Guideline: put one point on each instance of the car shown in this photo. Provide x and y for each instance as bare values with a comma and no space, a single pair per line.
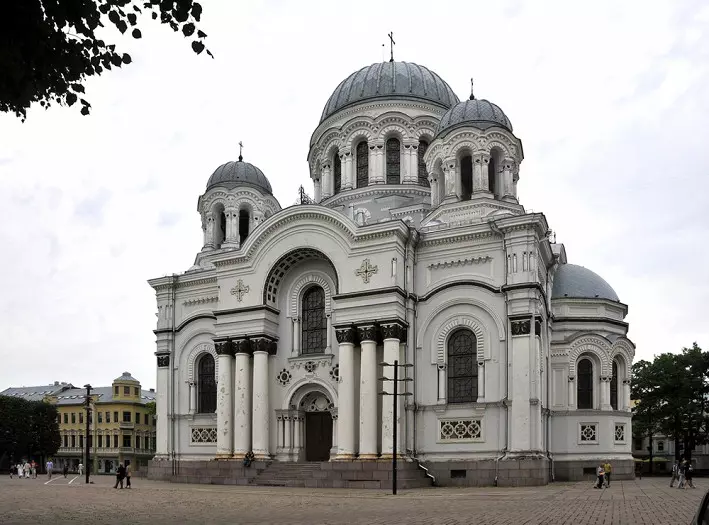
702,516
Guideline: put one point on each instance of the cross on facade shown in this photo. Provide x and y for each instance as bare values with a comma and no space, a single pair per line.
240,290
366,270
241,147
391,44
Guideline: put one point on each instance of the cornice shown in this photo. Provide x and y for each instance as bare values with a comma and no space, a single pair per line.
460,262
183,281
201,300
386,190
447,238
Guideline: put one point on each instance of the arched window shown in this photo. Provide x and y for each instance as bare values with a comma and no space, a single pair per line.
584,388
462,367
423,174
393,161
466,177
337,173
243,225
491,169
206,385
614,386
314,323
362,165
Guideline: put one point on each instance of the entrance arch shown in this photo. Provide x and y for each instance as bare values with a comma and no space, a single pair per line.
308,427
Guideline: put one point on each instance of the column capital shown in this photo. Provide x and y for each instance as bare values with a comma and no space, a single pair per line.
346,335
224,347
367,333
163,360
265,344
394,330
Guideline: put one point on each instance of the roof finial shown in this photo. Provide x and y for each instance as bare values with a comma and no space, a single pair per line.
391,37
472,96
241,147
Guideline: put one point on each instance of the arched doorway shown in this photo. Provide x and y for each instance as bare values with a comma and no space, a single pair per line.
307,430
318,426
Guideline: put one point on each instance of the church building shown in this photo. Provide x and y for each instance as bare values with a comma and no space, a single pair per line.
280,340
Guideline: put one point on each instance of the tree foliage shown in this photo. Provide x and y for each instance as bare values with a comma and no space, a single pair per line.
48,48
671,394
28,429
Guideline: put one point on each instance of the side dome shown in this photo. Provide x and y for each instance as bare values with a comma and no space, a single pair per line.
480,114
239,173
572,280
404,80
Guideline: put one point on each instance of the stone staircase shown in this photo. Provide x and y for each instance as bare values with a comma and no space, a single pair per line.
342,474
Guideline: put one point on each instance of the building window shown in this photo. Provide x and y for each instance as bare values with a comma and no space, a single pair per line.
66,441
73,441
81,417
108,417
126,440
115,416
619,433
393,161
660,446
66,418
244,222
588,433
126,416
462,367
337,173
137,441
100,416
136,391
584,388
362,160
126,390
115,441
115,391
137,418
207,386
423,174
146,419
314,323
491,169
81,441
100,441
466,178
614,386
73,418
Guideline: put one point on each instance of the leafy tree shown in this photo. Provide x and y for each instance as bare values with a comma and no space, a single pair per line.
28,429
48,48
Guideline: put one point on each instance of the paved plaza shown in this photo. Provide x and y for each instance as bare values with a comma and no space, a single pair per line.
647,501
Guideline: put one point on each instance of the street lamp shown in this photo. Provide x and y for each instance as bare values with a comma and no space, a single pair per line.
86,437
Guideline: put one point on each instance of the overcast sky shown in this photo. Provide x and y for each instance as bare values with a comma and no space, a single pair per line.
610,99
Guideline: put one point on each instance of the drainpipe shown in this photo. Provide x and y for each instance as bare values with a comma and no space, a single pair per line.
495,229
173,292
411,306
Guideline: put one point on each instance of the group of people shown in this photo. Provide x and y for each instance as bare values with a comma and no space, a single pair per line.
24,469
122,473
683,472
604,475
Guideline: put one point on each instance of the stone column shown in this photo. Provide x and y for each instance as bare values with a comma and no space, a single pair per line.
441,367
606,393
481,381
520,381
209,217
162,405
572,392
261,407
346,160
287,432
193,397
449,173
414,163
225,423
346,395
479,182
316,190
392,334
326,178
328,335
297,438
231,237
372,164
334,432
380,168
242,399
406,164
296,336
435,198
626,394
368,393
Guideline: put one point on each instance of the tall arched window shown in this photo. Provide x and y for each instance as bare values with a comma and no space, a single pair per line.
337,173
393,161
584,388
362,164
466,177
206,385
423,174
491,169
462,367
243,225
614,386
314,323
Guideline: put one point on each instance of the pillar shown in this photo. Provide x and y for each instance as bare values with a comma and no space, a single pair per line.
406,164
414,163
334,430
193,397
572,392
162,406
346,395
210,230
346,160
296,336
441,382
372,164
368,393
392,334
379,164
287,432
231,236
242,400
327,183
435,198
626,394
449,183
481,381
328,335
225,437
297,435
606,393
261,412
316,190
520,382
479,182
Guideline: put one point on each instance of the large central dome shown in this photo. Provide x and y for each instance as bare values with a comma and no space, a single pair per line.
404,80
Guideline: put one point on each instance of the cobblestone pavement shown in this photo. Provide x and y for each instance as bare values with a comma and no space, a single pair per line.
647,501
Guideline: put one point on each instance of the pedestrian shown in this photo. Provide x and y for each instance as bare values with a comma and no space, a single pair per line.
682,472
675,473
689,473
607,469
20,470
50,467
33,469
65,470
12,470
81,469
600,472
120,474
128,476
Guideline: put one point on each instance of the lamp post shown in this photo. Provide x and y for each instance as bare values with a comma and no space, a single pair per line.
88,431
395,411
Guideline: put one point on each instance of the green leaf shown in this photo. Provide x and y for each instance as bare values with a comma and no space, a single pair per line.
210,53
155,15
127,59
196,11
122,26
114,17
188,29
132,18
201,34
137,33
85,110
197,47
116,60
78,88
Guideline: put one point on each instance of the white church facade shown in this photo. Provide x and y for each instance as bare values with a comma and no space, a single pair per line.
415,248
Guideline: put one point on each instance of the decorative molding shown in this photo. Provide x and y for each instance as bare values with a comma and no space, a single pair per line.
201,300
310,279
163,360
311,364
521,327
200,435
346,335
240,290
394,331
366,270
460,430
283,377
367,333
198,350
460,262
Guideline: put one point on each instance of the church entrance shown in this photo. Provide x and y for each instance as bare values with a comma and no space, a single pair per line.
318,436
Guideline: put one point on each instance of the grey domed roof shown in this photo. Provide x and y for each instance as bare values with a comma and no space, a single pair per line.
480,114
576,281
390,80
239,173
126,377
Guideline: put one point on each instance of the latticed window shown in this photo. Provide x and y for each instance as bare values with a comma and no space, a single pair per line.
362,164
206,385
393,164
423,174
614,386
314,323
584,388
462,367
337,172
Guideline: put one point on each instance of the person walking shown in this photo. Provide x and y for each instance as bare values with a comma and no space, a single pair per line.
50,467
81,469
607,469
688,475
120,474
127,468
600,472
675,473
682,472
65,470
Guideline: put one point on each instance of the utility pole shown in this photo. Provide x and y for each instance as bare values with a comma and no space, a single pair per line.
395,410
87,468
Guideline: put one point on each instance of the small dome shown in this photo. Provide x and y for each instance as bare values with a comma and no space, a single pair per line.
576,281
404,80
480,114
239,173
126,377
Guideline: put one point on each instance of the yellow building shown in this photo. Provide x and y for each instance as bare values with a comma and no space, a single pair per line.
121,425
